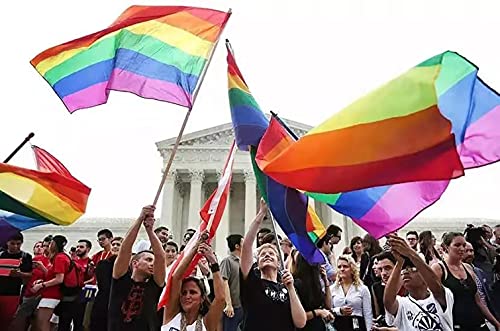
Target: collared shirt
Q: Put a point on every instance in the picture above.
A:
(357, 297)
(230, 271)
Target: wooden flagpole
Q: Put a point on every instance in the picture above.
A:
(181, 131)
(14, 152)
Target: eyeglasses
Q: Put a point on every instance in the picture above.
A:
(408, 271)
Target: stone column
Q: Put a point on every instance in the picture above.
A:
(167, 208)
(250, 198)
(222, 232)
(195, 198)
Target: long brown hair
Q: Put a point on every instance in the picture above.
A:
(205, 301)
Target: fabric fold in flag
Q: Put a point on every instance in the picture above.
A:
(398, 133)
(30, 198)
(211, 216)
(155, 52)
(474, 111)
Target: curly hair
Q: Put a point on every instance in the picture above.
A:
(356, 280)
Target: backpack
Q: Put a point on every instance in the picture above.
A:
(74, 279)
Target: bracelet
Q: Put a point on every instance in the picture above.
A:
(314, 313)
(214, 267)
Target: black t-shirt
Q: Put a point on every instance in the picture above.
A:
(132, 305)
(11, 286)
(378, 289)
(266, 303)
(316, 323)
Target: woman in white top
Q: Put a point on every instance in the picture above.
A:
(189, 308)
(351, 300)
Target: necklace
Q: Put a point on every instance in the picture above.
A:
(198, 326)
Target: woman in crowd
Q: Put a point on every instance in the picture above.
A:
(469, 311)
(189, 308)
(51, 287)
(361, 258)
(428, 252)
(372, 247)
(316, 303)
(351, 299)
(270, 302)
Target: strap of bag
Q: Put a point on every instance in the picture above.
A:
(438, 322)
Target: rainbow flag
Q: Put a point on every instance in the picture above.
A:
(30, 198)
(249, 123)
(155, 52)
(379, 139)
(473, 109)
(288, 206)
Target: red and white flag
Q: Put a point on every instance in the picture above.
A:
(211, 215)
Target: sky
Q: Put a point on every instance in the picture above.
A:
(305, 60)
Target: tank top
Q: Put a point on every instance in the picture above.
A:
(466, 312)
(175, 325)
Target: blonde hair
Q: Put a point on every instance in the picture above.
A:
(356, 280)
(264, 246)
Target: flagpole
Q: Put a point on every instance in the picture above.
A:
(14, 152)
(273, 223)
(290, 132)
(181, 131)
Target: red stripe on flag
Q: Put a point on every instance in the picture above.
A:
(211, 215)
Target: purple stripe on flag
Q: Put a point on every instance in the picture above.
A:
(91, 96)
(410, 199)
(149, 88)
(481, 145)
(125, 81)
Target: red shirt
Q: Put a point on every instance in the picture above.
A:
(59, 265)
(84, 264)
(36, 274)
(99, 256)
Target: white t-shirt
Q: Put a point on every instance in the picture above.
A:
(411, 318)
(175, 325)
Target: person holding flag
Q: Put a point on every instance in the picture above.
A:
(268, 294)
(189, 308)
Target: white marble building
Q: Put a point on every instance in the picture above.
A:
(193, 177)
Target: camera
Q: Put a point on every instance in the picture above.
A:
(380, 321)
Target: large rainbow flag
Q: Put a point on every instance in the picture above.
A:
(288, 206)
(399, 133)
(474, 111)
(30, 198)
(156, 52)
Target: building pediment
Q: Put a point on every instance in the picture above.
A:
(218, 137)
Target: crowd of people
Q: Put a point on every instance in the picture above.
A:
(410, 283)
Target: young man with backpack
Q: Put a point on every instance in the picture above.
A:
(72, 307)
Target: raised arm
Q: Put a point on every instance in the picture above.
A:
(176, 281)
(393, 285)
(433, 282)
(123, 259)
(298, 313)
(246, 259)
(214, 314)
(159, 269)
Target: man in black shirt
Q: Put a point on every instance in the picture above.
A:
(135, 293)
(16, 266)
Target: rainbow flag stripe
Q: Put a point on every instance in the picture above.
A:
(249, 122)
(43, 196)
(379, 139)
(155, 52)
(473, 109)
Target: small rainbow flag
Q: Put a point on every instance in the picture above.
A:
(474, 111)
(398, 133)
(30, 198)
(155, 52)
(290, 208)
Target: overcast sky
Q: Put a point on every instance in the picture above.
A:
(304, 59)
